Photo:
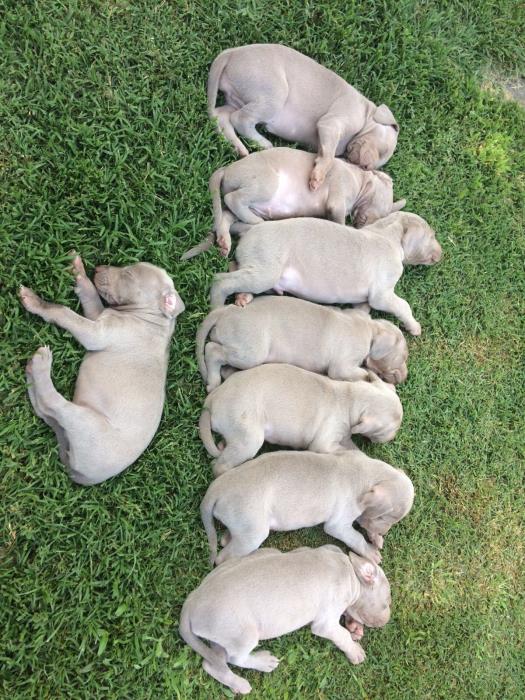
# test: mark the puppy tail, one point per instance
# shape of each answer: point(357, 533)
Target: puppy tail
point(207, 506)
point(205, 433)
point(194, 642)
point(204, 245)
point(217, 67)
point(215, 190)
point(203, 332)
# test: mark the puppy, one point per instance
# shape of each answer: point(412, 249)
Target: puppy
point(325, 262)
point(289, 490)
point(286, 405)
point(274, 185)
point(317, 338)
point(120, 388)
point(298, 100)
point(268, 594)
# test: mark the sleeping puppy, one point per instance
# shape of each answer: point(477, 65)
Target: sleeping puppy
point(268, 594)
point(317, 338)
point(325, 262)
point(286, 405)
point(119, 395)
point(274, 185)
point(287, 490)
point(298, 100)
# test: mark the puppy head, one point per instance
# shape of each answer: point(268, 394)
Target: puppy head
point(388, 352)
point(386, 503)
point(380, 410)
point(419, 242)
point(374, 145)
point(372, 607)
point(141, 285)
point(375, 199)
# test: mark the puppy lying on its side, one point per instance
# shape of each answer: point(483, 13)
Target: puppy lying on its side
point(289, 490)
point(286, 405)
point(268, 594)
point(274, 185)
point(119, 395)
point(317, 338)
point(332, 264)
point(299, 100)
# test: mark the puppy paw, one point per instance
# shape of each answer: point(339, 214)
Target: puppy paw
point(243, 299)
point(414, 328)
point(31, 301)
point(77, 266)
point(356, 629)
point(40, 362)
point(316, 180)
point(241, 686)
point(357, 654)
point(224, 246)
point(265, 661)
point(242, 151)
point(376, 540)
point(373, 555)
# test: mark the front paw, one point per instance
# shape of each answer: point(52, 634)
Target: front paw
point(316, 180)
point(356, 629)
point(77, 268)
point(376, 540)
point(414, 328)
point(31, 301)
point(373, 554)
point(356, 655)
point(243, 299)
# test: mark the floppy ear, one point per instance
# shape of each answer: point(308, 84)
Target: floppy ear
point(171, 304)
point(365, 423)
point(362, 203)
point(377, 498)
point(383, 115)
point(365, 570)
point(383, 343)
point(397, 206)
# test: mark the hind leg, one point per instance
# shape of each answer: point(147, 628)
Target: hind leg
point(245, 120)
point(222, 233)
point(240, 447)
point(215, 358)
point(224, 124)
point(248, 279)
point(240, 653)
point(242, 543)
point(81, 431)
point(220, 671)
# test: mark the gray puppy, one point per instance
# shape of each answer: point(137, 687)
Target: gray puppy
point(268, 594)
point(119, 395)
point(318, 338)
point(298, 100)
point(274, 185)
point(286, 405)
point(287, 490)
point(329, 263)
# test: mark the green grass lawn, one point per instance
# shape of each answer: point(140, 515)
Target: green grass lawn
point(106, 148)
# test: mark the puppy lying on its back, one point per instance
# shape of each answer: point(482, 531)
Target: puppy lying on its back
point(283, 329)
point(268, 594)
point(119, 395)
point(289, 490)
point(286, 405)
point(332, 264)
point(298, 100)
point(274, 185)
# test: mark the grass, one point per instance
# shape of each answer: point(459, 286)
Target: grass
point(106, 148)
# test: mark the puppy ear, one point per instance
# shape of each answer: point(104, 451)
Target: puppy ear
point(171, 304)
point(383, 342)
point(362, 203)
point(383, 115)
point(376, 498)
point(365, 570)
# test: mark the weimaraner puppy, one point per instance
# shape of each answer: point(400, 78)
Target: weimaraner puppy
point(286, 405)
point(274, 185)
point(287, 490)
point(298, 100)
point(119, 394)
point(325, 262)
point(317, 338)
point(270, 593)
